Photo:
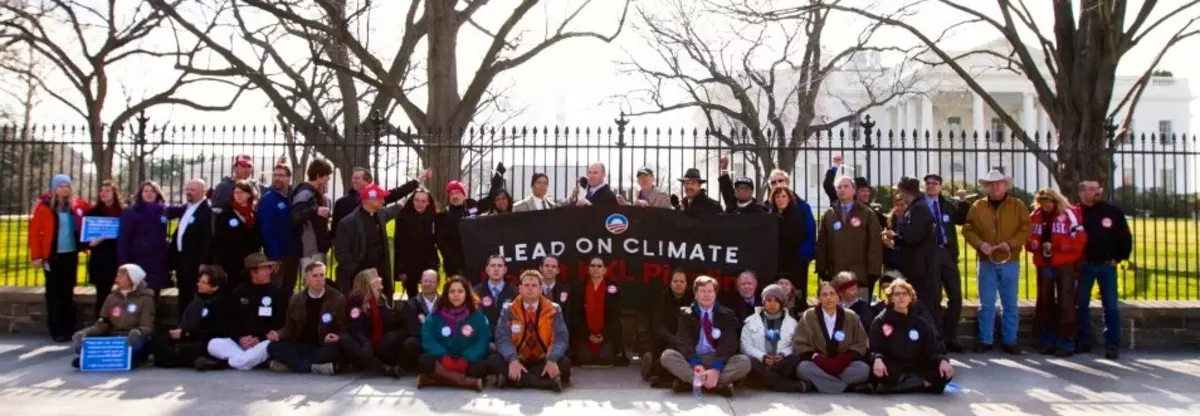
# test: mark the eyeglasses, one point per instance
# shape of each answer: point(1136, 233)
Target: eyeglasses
point(596, 266)
point(901, 293)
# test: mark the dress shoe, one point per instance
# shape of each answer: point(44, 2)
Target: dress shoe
point(1110, 352)
point(982, 348)
point(1011, 349)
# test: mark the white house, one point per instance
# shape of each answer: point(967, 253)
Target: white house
point(934, 99)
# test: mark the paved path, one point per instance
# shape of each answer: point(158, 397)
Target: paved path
point(36, 379)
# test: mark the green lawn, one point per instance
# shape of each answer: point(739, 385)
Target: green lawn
point(1166, 259)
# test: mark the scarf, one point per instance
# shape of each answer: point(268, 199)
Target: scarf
point(454, 315)
point(771, 324)
point(376, 321)
point(594, 297)
point(246, 212)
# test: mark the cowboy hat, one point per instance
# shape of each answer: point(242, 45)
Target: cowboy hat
point(995, 175)
point(692, 174)
point(256, 260)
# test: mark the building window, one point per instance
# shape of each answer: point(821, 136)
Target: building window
point(1167, 181)
point(954, 126)
point(1127, 177)
point(997, 130)
point(1165, 132)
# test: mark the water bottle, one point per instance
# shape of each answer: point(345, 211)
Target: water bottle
point(697, 381)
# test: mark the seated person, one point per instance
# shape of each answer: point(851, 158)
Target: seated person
point(767, 340)
point(596, 326)
point(374, 335)
point(833, 344)
point(415, 310)
point(495, 294)
point(127, 312)
point(259, 309)
point(906, 355)
point(707, 342)
point(455, 340)
point(744, 301)
point(878, 307)
point(676, 296)
point(309, 340)
point(210, 315)
point(532, 340)
point(846, 285)
point(792, 304)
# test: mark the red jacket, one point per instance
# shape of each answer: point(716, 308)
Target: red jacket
point(43, 226)
point(1067, 238)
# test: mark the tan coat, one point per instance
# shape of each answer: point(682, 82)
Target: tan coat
point(335, 306)
point(656, 199)
point(844, 246)
point(124, 313)
point(1008, 224)
point(811, 336)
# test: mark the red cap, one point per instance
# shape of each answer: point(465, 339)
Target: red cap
point(373, 191)
point(243, 160)
point(455, 186)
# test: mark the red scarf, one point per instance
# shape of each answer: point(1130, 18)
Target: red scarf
point(376, 322)
point(246, 212)
point(594, 297)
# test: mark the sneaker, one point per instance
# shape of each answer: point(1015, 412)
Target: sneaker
point(206, 363)
point(863, 388)
point(1110, 352)
point(679, 386)
point(982, 348)
point(325, 369)
point(424, 380)
point(1011, 349)
point(724, 390)
point(278, 367)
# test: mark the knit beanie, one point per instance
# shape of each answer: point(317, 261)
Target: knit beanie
point(136, 274)
point(59, 180)
point(455, 186)
point(775, 291)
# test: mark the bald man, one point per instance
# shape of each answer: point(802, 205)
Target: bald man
point(598, 193)
point(191, 241)
point(414, 311)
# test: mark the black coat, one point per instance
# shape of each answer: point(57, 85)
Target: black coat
point(1108, 233)
point(413, 313)
point(733, 300)
point(561, 294)
point(666, 317)
point(791, 237)
point(916, 243)
point(350, 246)
point(904, 338)
point(197, 239)
point(208, 317)
point(359, 321)
point(415, 241)
point(603, 197)
point(577, 320)
point(490, 305)
point(250, 309)
point(449, 240)
point(233, 240)
point(701, 204)
point(725, 187)
point(341, 208)
point(954, 213)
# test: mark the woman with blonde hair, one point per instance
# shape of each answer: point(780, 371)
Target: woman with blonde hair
point(1056, 243)
point(906, 355)
point(53, 234)
point(374, 336)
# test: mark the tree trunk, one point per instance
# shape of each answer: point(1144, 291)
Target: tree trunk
point(102, 155)
point(441, 131)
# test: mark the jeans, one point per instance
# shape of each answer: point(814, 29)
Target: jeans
point(1105, 275)
point(1002, 278)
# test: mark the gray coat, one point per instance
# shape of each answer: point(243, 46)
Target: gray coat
point(349, 245)
point(504, 343)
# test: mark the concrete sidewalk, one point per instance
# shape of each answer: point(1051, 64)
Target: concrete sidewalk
point(36, 379)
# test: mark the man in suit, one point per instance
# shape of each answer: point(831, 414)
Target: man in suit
point(920, 249)
point(598, 191)
point(648, 195)
point(948, 214)
point(557, 292)
point(707, 338)
point(361, 242)
point(415, 309)
point(192, 240)
point(540, 184)
point(495, 293)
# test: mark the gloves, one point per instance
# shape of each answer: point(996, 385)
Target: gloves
point(457, 365)
point(675, 200)
point(500, 168)
point(133, 337)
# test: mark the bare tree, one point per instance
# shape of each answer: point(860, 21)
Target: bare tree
point(98, 40)
point(339, 26)
point(27, 69)
point(761, 86)
point(1072, 66)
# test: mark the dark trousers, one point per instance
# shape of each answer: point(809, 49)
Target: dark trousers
point(170, 353)
point(301, 356)
point(952, 285)
point(1054, 314)
point(387, 353)
point(287, 274)
point(427, 364)
point(656, 370)
point(910, 377)
point(779, 377)
point(103, 278)
point(929, 293)
point(533, 377)
point(411, 351)
point(799, 280)
point(60, 294)
point(604, 357)
point(186, 276)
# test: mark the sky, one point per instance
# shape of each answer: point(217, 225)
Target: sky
point(579, 82)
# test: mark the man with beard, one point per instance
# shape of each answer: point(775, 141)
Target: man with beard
point(849, 239)
point(280, 243)
point(449, 240)
point(1109, 243)
point(695, 199)
point(921, 248)
point(737, 194)
point(948, 214)
point(598, 192)
point(997, 226)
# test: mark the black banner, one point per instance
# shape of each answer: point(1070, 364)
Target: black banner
point(641, 245)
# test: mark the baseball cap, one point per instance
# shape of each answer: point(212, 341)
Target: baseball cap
point(645, 171)
point(243, 160)
point(374, 192)
point(743, 181)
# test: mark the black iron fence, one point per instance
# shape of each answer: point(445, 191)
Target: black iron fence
point(1154, 177)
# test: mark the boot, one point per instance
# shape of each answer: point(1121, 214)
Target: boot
point(457, 379)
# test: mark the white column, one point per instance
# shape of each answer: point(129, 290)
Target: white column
point(901, 116)
point(910, 116)
point(908, 164)
point(926, 138)
point(978, 128)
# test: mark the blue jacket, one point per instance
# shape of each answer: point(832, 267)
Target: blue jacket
point(275, 224)
point(808, 248)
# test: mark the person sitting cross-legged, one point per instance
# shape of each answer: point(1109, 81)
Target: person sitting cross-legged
point(531, 339)
point(706, 342)
point(311, 332)
point(455, 340)
point(128, 312)
point(415, 310)
point(833, 343)
point(209, 315)
point(374, 336)
point(767, 340)
point(906, 354)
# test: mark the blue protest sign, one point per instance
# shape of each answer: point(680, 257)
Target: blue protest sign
point(99, 227)
point(105, 354)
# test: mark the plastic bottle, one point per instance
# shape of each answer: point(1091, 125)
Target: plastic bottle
point(697, 381)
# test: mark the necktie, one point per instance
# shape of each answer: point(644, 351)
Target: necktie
point(706, 325)
point(937, 221)
point(496, 292)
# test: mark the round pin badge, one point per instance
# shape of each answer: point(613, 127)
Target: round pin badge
point(487, 301)
point(516, 328)
point(913, 335)
point(162, 219)
point(855, 222)
point(887, 330)
point(839, 336)
point(562, 297)
point(233, 222)
point(612, 289)
point(132, 308)
point(421, 318)
point(945, 218)
point(716, 332)
point(79, 211)
point(467, 330)
point(837, 225)
point(445, 331)
point(355, 313)
point(281, 205)
point(116, 312)
point(326, 317)
point(204, 312)
point(266, 301)
point(1106, 222)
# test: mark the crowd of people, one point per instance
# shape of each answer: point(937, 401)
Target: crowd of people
point(237, 252)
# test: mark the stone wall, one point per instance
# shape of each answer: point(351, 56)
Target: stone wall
point(1144, 324)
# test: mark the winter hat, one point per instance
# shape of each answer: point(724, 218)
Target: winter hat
point(373, 192)
point(136, 274)
point(59, 180)
point(861, 182)
point(776, 291)
point(455, 186)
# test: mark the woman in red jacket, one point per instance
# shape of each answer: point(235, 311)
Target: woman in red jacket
point(54, 247)
point(1056, 244)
